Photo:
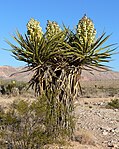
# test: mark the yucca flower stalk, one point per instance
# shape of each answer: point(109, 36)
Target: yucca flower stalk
point(87, 51)
point(34, 31)
point(52, 29)
point(85, 29)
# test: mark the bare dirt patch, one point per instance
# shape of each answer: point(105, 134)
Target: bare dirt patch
point(103, 123)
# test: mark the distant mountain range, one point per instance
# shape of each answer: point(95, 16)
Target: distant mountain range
point(13, 73)
point(7, 71)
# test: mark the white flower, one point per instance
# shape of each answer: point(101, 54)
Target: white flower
point(33, 29)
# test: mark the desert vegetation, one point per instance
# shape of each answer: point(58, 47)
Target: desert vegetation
point(114, 103)
point(12, 87)
point(56, 58)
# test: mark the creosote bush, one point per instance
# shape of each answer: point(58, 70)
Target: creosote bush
point(28, 124)
point(114, 104)
point(12, 87)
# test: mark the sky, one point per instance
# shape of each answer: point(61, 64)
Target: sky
point(15, 14)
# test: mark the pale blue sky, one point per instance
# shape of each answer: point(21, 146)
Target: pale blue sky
point(14, 14)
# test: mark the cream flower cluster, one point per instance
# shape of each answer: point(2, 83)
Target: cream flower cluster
point(52, 28)
point(34, 30)
point(85, 28)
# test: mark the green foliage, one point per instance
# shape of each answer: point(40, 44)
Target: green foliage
point(113, 104)
point(12, 87)
point(29, 124)
point(89, 56)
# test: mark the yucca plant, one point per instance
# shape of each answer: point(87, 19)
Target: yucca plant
point(85, 49)
point(86, 52)
point(57, 58)
point(43, 55)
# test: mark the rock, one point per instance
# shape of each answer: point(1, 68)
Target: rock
point(113, 144)
point(86, 103)
point(105, 132)
point(101, 103)
point(117, 120)
point(111, 122)
point(117, 130)
point(99, 114)
point(61, 147)
point(116, 110)
point(110, 144)
point(76, 103)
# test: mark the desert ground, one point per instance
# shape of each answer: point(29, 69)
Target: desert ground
point(97, 127)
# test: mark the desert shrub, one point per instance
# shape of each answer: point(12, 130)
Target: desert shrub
point(84, 137)
point(112, 91)
point(12, 87)
point(113, 104)
point(22, 86)
point(30, 124)
point(2, 90)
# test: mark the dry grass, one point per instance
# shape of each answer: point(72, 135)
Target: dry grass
point(101, 89)
point(84, 137)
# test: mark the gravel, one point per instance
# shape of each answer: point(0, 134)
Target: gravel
point(103, 123)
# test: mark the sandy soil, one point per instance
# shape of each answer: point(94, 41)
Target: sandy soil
point(100, 125)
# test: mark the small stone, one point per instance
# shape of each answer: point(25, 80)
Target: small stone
point(99, 114)
point(100, 104)
point(76, 102)
point(100, 128)
point(113, 144)
point(60, 147)
point(112, 130)
point(116, 110)
point(111, 122)
point(110, 144)
point(117, 130)
point(105, 133)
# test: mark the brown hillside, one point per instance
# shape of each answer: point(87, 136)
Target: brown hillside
point(7, 71)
